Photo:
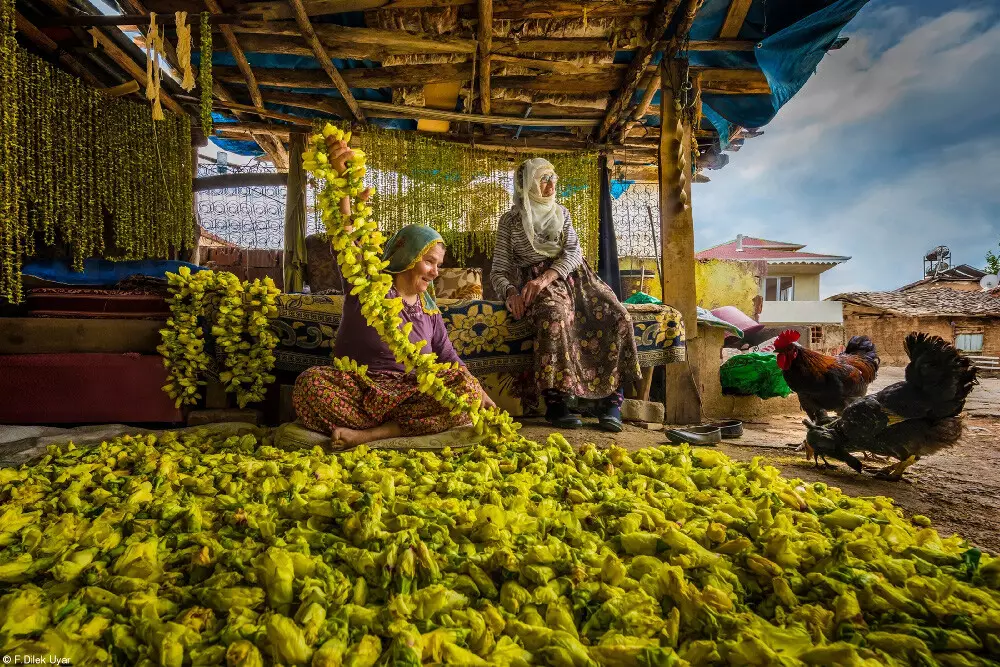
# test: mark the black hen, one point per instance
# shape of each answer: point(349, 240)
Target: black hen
point(908, 419)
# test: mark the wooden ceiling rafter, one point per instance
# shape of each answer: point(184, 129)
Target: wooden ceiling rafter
point(677, 42)
point(117, 55)
point(270, 144)
point(502, 10)
point(662, 15)
point(735, 17)
point(309, 34)
point(44, 42)
point(484, 31)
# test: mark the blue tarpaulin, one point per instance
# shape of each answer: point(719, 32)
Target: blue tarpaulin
point(98, 272)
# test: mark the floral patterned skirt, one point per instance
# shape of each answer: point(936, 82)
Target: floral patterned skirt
point(326, 398)
point(584, 345)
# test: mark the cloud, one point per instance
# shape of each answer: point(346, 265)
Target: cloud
point(890, 149)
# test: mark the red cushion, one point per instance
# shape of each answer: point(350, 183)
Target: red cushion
point(84, 388)
point(88, 302)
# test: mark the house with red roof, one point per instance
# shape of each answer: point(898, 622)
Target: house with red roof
point(790, 283)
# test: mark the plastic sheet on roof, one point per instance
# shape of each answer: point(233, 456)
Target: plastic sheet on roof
point(792, 37)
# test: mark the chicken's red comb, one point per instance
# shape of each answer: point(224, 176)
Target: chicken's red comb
point(786, 338)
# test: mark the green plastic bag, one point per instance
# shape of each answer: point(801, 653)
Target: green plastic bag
point(642, 297)
point(753, 374)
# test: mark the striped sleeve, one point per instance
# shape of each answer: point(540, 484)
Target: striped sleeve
point(503, 273)
point(571, 257)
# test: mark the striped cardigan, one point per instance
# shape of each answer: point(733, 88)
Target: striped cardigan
point(513, 252)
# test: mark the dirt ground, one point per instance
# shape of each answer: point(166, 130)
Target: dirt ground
point(959, 488)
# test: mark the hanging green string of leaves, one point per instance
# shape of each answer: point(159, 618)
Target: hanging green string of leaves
point(11, 236)
point(205, 75)
point(462, 190)
point(120, 188)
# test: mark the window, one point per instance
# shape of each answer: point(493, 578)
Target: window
point(969, 342)
point(778, 288)
point(815, 335)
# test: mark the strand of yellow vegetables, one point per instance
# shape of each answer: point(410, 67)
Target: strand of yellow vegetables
point(358, 243)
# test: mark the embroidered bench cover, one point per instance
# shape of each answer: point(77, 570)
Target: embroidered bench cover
point(484, 336)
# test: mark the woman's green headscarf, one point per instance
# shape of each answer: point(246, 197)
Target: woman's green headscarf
point(405, 249)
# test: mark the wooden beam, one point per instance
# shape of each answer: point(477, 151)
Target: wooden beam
point(238, 56)
point(652, 131)
point(44, 42)
point(485, 34)
point(581, 84)
point(337, 38)
point(721, 81)
point(278, 9)
point(734, 19)
point(305, 26)
point(358, 77)
point(226, 181)
point(133, 69)
point(266, 113)
point(662, 14)
point(683, 399)
point(274, 148)
point(557, 45)
point(330, 106)
point(722, 45)
point(125, 20)
point(556, 66)
point(405, 111)
point(504, 9)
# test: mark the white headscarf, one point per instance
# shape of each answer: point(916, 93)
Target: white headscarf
point(541, 216)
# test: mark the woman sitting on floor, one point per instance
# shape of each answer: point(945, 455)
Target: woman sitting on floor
point(355, 409)
point(584, 345)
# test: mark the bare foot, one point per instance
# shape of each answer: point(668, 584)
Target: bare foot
point(346, 438)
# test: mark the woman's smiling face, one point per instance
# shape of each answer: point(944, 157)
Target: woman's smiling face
point(423, 273)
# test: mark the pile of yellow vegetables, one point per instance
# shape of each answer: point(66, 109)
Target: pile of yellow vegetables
point(196, 549)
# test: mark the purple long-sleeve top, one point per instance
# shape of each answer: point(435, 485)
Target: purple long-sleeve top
point(357, 340)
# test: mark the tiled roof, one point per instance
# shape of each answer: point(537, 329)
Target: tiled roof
point(750, 253)
point(961, 272)
point(941, 302)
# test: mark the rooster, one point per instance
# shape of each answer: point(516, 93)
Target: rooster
point(823, 382)
point(908, 419)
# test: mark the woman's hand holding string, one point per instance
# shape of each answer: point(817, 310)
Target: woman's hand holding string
point(534, 287)
point(339, 155)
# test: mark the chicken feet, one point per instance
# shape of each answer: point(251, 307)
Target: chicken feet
point(894, 472)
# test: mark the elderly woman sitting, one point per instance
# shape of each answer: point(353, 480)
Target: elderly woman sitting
point(386, 403)
point(584, 345)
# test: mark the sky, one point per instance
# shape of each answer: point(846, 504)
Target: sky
point(890, 149)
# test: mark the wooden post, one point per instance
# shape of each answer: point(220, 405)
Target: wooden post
point(683, 404)
point(294, 257)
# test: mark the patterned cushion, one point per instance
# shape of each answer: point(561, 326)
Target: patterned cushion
point(459, 284)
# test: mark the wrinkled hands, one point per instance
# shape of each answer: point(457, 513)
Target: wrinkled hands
point(339, 155)
point(534, 287)
point(487, 401)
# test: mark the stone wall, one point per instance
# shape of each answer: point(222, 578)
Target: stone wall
point(889, 331)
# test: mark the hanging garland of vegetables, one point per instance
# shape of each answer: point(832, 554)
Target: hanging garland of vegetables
point(358, 243)
point(462, 191)
point(119, 173)
point(238, 315)
point(205, 75)
point(11, 233)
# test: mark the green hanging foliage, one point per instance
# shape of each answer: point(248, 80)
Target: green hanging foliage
point(88, 171)
point(462, 190)
point(205, 75)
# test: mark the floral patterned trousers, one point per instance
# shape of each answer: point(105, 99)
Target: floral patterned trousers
point(326, 398)
point(584, 345)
